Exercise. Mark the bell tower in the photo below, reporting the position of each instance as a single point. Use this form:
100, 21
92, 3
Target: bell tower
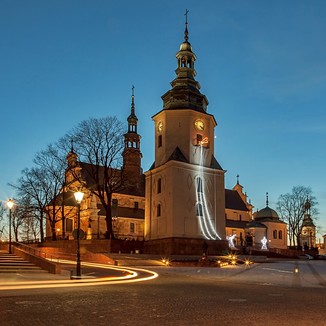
131, 153
185, 185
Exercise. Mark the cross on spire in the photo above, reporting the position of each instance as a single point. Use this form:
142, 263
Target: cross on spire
267, 199
237, 178
186, 14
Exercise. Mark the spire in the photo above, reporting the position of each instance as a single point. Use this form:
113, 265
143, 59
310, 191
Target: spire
266, 199
132, 100
186, 29
132, 119
185, 92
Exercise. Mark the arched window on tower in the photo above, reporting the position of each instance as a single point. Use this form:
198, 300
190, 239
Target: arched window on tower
159, 141
199, 183
280, 235
199, 210
159, 185
275, 234
158, 210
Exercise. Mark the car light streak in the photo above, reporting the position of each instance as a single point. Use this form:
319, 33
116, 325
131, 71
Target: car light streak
131, 277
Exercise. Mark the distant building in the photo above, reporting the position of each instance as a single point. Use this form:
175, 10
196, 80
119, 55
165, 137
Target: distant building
308, 229
128, 204
268, 224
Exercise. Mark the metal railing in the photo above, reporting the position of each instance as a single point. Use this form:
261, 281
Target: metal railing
43, 254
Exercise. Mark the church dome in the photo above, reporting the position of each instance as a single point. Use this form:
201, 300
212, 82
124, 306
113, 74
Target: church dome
267, 212
185, 46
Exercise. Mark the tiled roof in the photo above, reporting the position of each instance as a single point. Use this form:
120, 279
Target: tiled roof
215, 164
234, 201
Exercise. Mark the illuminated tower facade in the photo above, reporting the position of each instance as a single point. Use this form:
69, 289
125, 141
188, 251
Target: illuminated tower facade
185, 197
131, 154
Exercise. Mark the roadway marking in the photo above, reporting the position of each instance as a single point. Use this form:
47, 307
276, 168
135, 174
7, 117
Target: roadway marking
277, 270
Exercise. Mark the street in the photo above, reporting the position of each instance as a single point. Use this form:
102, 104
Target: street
264, 294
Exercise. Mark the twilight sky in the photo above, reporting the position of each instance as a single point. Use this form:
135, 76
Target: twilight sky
261, 64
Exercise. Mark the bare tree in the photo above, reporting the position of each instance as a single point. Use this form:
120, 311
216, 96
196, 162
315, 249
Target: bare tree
41, 187
99, 144
52, 163
291, 207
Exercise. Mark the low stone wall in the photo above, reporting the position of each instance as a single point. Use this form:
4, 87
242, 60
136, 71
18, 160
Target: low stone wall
38, 261
184, 246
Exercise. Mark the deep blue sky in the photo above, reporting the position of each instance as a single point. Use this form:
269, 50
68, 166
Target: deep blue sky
261, 64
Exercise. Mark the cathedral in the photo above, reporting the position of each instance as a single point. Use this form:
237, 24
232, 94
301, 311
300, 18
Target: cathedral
181, 202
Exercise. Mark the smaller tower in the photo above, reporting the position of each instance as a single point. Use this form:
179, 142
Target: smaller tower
73, 168
131, 153
308, 228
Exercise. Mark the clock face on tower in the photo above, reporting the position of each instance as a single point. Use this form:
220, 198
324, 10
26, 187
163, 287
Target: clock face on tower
160, 126
199, 124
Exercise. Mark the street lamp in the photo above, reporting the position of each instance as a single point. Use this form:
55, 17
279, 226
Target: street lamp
10, 204
79, 197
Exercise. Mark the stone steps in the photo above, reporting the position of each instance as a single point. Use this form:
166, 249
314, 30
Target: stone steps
10, 263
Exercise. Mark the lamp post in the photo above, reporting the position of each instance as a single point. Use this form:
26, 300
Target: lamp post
79, 197
10, 204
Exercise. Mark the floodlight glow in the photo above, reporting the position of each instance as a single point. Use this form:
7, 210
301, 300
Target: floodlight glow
203, 215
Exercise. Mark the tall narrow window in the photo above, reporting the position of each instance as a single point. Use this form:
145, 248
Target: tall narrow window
132, 227
275, 234
159, 141
199, 139
199, 185
159, 185
158, 210
114, 203
280, 234
199, 210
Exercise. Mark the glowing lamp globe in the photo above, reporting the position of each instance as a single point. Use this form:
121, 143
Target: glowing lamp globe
79, 196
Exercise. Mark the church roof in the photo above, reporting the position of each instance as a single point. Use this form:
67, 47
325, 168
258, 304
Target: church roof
266, 213
123, 212
88, 170
234, 201
255, 224
307, 221
236, 224
177, 155
215, 164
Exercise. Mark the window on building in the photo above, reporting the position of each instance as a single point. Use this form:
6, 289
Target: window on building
199, 185
158, 210
69, 225
275, 234
159, 185
280, 234
159, 141
240, 217
136, 205
199, 139
199, 210
114, 203
132, 227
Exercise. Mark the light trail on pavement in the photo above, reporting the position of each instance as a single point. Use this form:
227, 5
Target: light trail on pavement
131, 277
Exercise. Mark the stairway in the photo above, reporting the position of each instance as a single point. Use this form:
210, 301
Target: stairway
10, 263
